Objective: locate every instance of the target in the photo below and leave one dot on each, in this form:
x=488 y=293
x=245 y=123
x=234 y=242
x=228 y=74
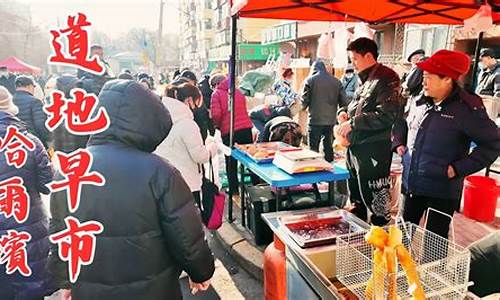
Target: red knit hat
x=447 y=63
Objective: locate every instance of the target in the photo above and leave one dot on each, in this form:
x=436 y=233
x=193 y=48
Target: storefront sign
x=219 y=53
x=257 y=51
x=279 y=33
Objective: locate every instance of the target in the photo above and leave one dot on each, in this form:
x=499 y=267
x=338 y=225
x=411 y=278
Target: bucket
x=480 y=198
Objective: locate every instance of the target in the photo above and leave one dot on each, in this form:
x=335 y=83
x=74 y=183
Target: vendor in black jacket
x=367 y=124
x=440 y=128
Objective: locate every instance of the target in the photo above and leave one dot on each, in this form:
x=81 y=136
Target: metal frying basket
x=443 y=266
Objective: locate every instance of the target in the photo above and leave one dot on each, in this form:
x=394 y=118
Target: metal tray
x=273 y=148
x=295 y=226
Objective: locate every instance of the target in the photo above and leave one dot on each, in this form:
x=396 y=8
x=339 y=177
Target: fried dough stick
x=410 y=269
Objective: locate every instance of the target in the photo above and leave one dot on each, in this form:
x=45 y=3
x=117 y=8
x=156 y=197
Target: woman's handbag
x=212 y=200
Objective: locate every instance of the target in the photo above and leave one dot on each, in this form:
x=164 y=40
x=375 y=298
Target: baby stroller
x=283 y=129
x=286 y=130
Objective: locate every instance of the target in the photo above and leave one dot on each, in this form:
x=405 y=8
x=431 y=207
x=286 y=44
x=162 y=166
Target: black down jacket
x=9 y=82
x=381 y=101
x=265 y=113
x=36 y=173
x=64 y=140
x=413 y=81
x=152 y=228
x=322 y=94
x=439 y=136
x=31 y=112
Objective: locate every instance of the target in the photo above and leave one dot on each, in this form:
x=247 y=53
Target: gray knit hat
x=6 y=103
x=215 y=79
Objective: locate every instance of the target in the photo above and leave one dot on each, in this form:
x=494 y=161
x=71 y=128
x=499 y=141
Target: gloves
x=212 y=148
x=209 y=140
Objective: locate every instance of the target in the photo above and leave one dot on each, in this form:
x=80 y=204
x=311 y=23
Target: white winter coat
x=183 y=147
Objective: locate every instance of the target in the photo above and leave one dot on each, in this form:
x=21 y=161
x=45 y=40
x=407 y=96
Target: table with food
x=331 y=254
x=283 y=167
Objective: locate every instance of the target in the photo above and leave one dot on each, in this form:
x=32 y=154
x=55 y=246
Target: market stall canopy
x=14 y=64
x=373 y=12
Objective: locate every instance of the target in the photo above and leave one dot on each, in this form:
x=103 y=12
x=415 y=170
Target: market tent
x=14 y=64
x=450 y=12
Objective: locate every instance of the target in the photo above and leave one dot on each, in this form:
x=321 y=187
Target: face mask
x=349 y=75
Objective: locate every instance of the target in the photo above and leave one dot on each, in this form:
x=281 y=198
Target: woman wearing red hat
x=441 y=125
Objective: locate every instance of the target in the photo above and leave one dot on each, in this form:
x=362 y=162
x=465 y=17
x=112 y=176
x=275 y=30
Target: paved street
x=229 y=282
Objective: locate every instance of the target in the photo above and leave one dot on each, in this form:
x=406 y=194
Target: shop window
x=429 y=38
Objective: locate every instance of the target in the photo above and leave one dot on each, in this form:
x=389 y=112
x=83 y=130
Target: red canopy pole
x=232 y=88
x=476 y=59
x=232 y=74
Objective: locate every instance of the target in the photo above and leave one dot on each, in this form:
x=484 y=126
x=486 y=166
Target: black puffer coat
x=9 y=82
x=152 y=229
x=64 y=140
x=264 y=113
x=413 y=81
x=36 y=173
x=31 y=112
x=206 y=90
x=322 y=94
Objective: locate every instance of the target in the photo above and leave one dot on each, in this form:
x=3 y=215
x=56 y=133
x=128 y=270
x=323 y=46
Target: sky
x=113 y=17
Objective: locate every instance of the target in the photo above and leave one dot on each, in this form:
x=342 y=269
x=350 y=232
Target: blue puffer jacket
x=36 y=173
x=438 y=136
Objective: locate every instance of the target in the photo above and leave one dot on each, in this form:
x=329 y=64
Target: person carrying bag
x=212 y=200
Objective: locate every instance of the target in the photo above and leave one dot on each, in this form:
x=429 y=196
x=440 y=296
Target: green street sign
x=257 y=51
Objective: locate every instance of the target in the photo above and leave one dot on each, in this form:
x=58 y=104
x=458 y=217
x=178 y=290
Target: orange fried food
x=261 y=154
x=369 y=289
x=375 y=285
x=379 y=270
x=395 y=236
x=377 y=237
x=392 y=267
x=410 y=268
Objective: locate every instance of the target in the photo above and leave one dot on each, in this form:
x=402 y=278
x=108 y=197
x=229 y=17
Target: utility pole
x=26 y=41
x=160 y=35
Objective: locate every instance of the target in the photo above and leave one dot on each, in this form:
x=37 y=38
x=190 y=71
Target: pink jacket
x=220 y=112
